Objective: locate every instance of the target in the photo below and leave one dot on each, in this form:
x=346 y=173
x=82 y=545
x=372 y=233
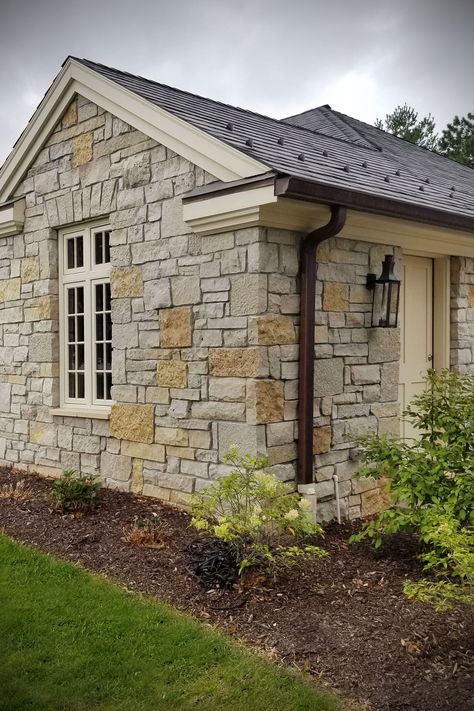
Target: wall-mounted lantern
x=385 y=295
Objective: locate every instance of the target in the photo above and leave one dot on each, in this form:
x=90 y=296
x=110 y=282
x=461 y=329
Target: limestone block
x=280 y=433
x=275 y=330
x=157 y=294
x=30 y=269
x=365 y=374
x=43 y=348
x=200 y=439
x=282 y=454
x=389 y=381
x=148 y=452
x=248 y=294
x=328 y=376
x=132 y=422
x=336 y=297
x=43 y=308
x=264 y=401
x=46 y=183
x=115 y=466
x=322 y=439
x=172 y=374
x=470 y=297
x=185 y=290
x=5 y=395
x=137 y=482
x=384 y=345
x=172 y=436
x=10 y=290
x=81 y=150
x=87 y=444
x=126 y=282
x=43 y=433
x=70 y=115
x=373 y=501
x=227 y=389
x=176 y=328
x=213 y=410
x=248 y=438
x=237 y=362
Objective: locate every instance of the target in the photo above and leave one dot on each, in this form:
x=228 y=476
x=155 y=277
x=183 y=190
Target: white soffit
x=217 y=158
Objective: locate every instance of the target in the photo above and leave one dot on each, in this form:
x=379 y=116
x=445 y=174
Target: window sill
x=94 y=413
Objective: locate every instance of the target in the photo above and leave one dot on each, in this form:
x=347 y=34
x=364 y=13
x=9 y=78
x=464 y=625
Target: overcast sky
x=277 y=57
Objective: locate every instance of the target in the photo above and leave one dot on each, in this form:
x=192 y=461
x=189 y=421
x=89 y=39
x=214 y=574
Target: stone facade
x=205 y=331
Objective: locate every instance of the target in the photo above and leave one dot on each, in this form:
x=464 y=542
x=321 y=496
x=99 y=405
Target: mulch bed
x=344 y=619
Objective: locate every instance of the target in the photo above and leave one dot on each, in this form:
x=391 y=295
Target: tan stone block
x=281 y=454
x=390 y=426
x=132 y=422
x=176 y=327
x=42 y=433
x=30 y=270
x=275 y=330
x=182 y=499
x=171 y=435
x=321 y=334
x=264 y=401
x=172 y=374
x=126 y=282
x=52 y=472
x=374 y=501
x=201 y=439
x=181 y=452
x=336 y=297
x=470 y=297
x=82 y=149
x=137 y=482
x=150 y=452
x=237 y=362
x=70 y=115
x=43 y=308
x=10 y=289
x=322 y=439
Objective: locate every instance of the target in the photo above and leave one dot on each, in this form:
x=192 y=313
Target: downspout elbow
x=306 y=351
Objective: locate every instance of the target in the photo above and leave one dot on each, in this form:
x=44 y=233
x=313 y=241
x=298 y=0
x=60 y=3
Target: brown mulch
x=344 y=619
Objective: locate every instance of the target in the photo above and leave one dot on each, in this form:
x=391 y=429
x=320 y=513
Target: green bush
x=74 y=492
x=262 y=521
x=430 y=482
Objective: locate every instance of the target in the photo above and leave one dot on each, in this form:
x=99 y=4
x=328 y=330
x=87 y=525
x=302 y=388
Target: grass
x=71 y=640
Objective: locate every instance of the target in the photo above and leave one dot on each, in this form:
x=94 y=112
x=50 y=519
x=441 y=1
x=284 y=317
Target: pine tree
x=457 y=140
x=404 y=123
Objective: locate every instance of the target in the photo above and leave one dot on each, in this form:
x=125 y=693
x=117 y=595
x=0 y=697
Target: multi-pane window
x=86 y=323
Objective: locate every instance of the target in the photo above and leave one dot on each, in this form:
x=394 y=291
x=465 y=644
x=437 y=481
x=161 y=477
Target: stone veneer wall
x=462 y=314
x=205 y=330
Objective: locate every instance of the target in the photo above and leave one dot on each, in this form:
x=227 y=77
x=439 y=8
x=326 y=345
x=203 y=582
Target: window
x=85 y=316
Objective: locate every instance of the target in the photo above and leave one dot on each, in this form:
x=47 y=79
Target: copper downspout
x=307 y=320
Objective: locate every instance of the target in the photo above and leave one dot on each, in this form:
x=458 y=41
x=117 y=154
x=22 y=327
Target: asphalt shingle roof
x=320 y=145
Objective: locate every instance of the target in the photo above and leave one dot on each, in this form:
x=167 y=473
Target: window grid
x=86 y=323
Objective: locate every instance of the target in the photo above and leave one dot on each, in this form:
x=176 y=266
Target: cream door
x=416 y=331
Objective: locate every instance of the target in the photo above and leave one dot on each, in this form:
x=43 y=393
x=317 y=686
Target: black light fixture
x=385 y=296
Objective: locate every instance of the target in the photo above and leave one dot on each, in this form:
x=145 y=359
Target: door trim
x=441 y=306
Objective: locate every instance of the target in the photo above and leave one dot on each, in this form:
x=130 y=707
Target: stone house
x=153 y=248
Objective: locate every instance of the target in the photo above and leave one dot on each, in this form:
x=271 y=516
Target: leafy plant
x=262 y=521
x=430 y=482
x=74 y=492
x=148 y=532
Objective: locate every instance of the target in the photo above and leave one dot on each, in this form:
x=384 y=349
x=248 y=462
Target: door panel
x=416 y=331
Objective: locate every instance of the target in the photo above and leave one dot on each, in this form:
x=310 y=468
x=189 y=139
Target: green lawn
x=70 y=640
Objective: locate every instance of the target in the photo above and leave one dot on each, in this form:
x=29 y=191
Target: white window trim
x=87 y=275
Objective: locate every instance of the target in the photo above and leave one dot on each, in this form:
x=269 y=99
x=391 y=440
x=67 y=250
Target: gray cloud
x=272 y=56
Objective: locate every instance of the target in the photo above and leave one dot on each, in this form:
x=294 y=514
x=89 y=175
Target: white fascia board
x=217 y=158
x=12 y=218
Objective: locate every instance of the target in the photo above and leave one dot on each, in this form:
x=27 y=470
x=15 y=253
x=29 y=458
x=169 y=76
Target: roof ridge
x=304 y=129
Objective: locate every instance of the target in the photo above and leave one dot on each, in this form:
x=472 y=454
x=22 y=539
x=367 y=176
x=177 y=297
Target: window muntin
x=86 y=322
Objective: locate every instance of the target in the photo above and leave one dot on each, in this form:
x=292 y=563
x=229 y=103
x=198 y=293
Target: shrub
x=148 y=532
x=430 y=482
x=263 y=523
x=74 y=492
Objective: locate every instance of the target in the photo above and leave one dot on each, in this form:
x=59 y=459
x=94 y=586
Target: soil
x=343 y=619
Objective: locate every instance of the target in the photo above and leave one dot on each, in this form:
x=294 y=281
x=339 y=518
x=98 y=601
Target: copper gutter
x=307 y=322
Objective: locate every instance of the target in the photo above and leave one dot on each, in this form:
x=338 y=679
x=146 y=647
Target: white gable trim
x=214 y=156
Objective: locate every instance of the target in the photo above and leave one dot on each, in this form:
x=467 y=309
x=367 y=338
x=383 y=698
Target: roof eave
x=300 y=189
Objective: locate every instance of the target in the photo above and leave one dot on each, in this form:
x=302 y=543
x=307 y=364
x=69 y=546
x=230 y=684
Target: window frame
x=87 y=276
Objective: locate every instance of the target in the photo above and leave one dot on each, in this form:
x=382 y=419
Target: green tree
x=404 y=123
x=457 y=140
